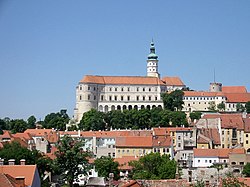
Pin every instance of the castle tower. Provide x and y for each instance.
(215, 87)
(152, 63)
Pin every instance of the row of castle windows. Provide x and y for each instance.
(201, 98)
(122, 98)
(143, 89)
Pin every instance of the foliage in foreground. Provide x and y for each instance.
(153, 166)
(71, 159)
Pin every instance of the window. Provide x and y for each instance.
(143, 89)
(118, 150)
(128, 151)
(210, 161)
(116, 89)
(80, 97)
(137, 89)
(149, 89)
(88, 87)
(102, 97)
(155, 88)
(94, 97)
(110, 89)
(115, 98)
(179, 144)
(246, 141)
(128, 98)
(205, 161)
(80, 88)
(128, 89)
(109, 154)
(113, 155)
(88, 97)
(122, 89)
(247, 135)
(110, 98)
(137, 98)
(156, 98)
(149, 98)
(199, 161)
(94, 88)
(222, 132)
(143, 98)
(179, 137)
(121, 98)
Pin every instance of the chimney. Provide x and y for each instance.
(11, 161)
(1, 162)
(20, 180)
(22, 162)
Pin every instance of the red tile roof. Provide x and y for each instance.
(212, 134)
(247, 125)
(234, 89)
(8, 181)
(38, 132)
(237, 97)
(173, 81)
(161, 141)
(222, 153)
(125, 80)
(28, 171)
(134, 141)
(124, 162)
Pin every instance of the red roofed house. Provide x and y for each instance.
(106, 93)
(19, 176)
(203, 100)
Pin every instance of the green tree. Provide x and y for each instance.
(246, 170)
(199, 183)
(153, 166)
(18, 125)
(31, 122)
(178, 118)
(71, 159)
(143, 118)
(221, 106)
(248, 107)
(106, 165)
(212, 106)
(173, 101)
(195, 115)
(155, 118)
(116, 119)
(56, 120)
(92, 120)
(240, 107)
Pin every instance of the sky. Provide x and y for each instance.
(46, 47)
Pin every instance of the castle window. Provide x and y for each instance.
(128, 89)
(115, 98)
(149, 89)
(128, 98)
(155, 88)
(116, 89)
(110, 88)
(143, 98)
(80, 97)
(102, 97)
(137, 98)
(80, 88)
(88, 97)
(143, 89)
(156, 98)
(94, 88)
(88, 87)
(149, 98)
(122, 89)
(94, 97)
(137, 89)
(121, 98)
(110, 98)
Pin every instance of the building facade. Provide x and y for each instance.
(106, 93)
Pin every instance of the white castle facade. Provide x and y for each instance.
(106, 93)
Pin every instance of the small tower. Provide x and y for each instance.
(152, 62)
(215, 87)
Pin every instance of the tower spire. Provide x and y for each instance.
(152, 62)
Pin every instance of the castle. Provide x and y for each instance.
(106, 93)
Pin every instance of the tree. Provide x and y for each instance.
(18, 125)
(221, 106)
(240, 107)
(31, 122)
(178, 118)
(71, 159)
(211, 106)
(173, 101)
(195, 115)
(56, 120)
(246, 170)
(92, 120)
(153, 166)
(248, 107)
(106, 165)
(199, 184)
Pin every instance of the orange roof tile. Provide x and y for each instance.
(245, 180)
(38, 132)
(212, 134)
(8, 181)
(234, 89)
(6, 134)
(247, 125)
(125, 80)
(237, 97)
(24, 135)
(161, 141)
(134, 141)
(173, 81)
(222, 153)
(28, 171)
(123, 162)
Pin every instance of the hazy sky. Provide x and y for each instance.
(46, 46)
